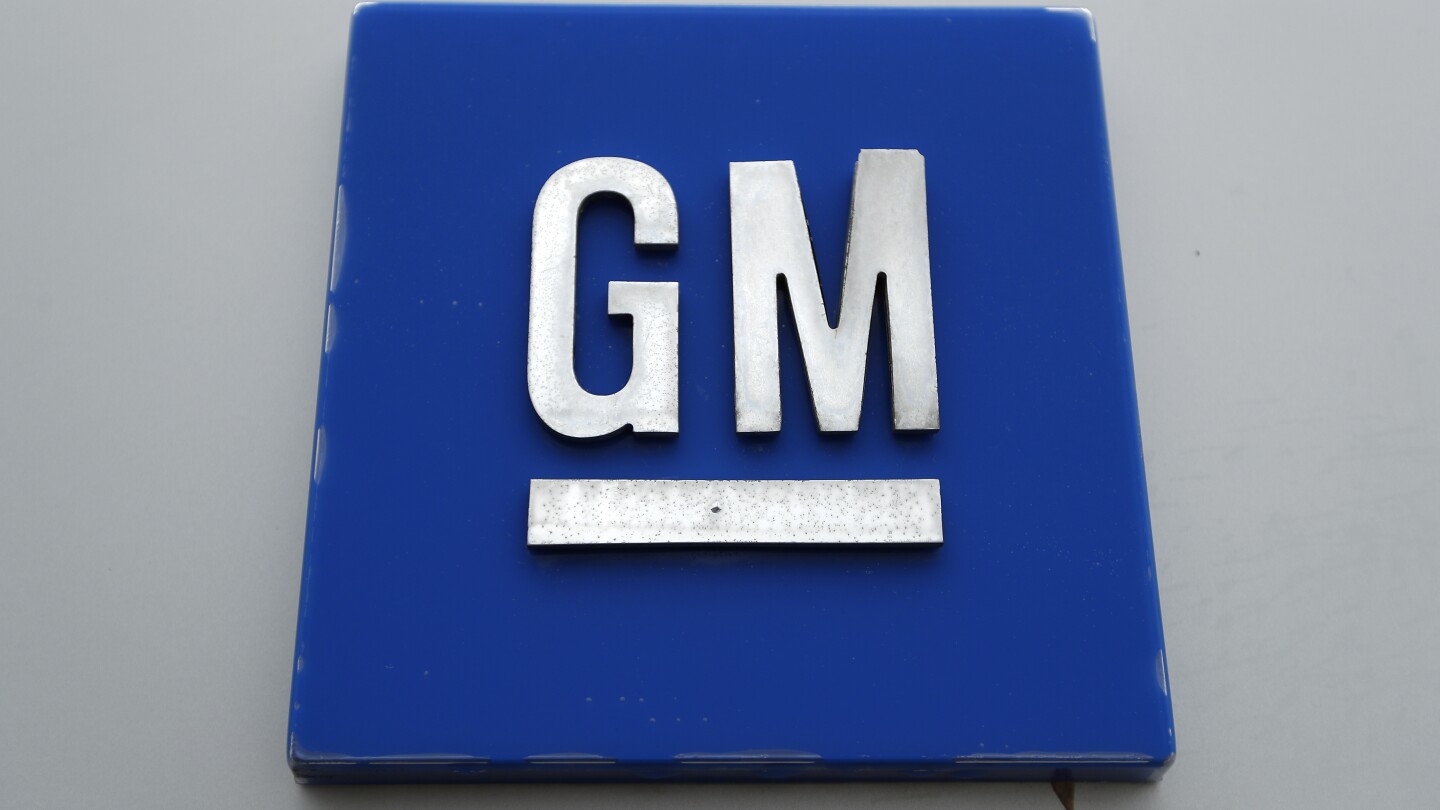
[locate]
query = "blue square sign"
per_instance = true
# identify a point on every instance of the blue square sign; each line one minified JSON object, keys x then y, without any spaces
{"x":594,"y":493}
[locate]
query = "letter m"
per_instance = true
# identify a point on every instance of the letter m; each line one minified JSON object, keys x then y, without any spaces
{"x":888,"y":240}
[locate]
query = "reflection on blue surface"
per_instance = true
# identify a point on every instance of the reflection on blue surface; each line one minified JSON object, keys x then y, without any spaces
{"x":433,"y":645}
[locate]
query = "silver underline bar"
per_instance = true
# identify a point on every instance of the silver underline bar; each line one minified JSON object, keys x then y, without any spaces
{"x":605,"y":512}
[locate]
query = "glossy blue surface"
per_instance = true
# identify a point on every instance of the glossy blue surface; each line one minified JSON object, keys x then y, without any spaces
{"x":434,"y":645}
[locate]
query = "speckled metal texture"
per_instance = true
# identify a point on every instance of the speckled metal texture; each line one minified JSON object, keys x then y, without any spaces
{"x":609,"y":512}
{"x":886,"y":239}
{"x":649,"y":402}
{"x":434,"y":644}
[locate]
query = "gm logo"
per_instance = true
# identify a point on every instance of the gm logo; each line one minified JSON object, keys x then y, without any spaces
{"x":887,"y":249}
{"x":634,"y":565}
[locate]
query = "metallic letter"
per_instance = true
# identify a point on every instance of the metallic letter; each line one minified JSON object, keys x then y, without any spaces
{"x":888,"y":237}
{"x":650,"y":400}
